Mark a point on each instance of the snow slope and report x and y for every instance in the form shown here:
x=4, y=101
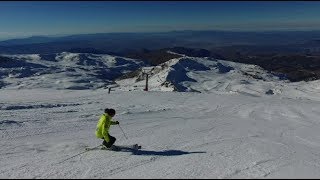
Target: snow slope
x=183, y=135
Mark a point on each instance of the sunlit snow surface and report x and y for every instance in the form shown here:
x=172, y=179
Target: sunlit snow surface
x=232, y=129
x=183, y=135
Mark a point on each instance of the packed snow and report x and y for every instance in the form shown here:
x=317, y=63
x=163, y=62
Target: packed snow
x=230, y=120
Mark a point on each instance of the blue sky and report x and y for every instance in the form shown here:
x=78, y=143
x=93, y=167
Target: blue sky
x=23, y=19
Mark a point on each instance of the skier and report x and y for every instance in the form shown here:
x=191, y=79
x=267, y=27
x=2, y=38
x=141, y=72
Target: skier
x=102, y=130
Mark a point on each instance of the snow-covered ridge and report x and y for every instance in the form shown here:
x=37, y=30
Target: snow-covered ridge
x=63, y=70
x=207, y=75
x=186, y=74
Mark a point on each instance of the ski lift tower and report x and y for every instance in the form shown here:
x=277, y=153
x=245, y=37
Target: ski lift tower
x=146, y=72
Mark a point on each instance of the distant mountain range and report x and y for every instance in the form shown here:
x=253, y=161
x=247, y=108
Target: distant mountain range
x=294, y=55
x=79, y=71
x=295, y=67
x=272, y=41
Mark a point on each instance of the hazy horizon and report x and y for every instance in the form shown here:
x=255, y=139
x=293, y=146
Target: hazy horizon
x=142, y=32
x=25, y=19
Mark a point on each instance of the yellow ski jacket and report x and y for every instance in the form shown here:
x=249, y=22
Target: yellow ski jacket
x=103, y=126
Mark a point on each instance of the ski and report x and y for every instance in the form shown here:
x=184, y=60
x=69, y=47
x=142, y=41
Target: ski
x=115, y=148
x=123, y=147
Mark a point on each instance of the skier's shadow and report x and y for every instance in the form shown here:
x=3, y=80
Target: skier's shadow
x=158, y=153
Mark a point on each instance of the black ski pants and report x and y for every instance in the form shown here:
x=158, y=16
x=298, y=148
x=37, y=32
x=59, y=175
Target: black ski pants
x=110, y=143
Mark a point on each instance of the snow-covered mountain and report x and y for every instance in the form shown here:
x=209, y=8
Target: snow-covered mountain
x=245, y=123
x=207, y=75
x=185, y=74
x=191, y=74
x=63, y=70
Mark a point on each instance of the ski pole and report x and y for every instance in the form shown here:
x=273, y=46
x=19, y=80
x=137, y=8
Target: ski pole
x=122, y=131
